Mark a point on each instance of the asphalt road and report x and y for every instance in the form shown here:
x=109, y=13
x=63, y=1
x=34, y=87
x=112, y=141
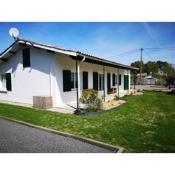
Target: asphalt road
x=18, y=138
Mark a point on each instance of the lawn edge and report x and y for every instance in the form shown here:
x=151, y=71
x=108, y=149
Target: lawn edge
x=115, y=149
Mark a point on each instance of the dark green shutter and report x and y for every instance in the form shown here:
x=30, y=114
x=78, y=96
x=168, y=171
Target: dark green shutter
x=113, y=79
x=8, y=82
x=120, y=79
x=85, y=80
x=26, y=57
x=66, y=80
x=95, y=81
x=126, y=82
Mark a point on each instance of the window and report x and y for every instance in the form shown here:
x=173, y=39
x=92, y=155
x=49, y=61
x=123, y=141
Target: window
x=69, y=80
x=101, y=81
x=3, y=82
x=73, y=80
x=26, y=57
x=8, y=81
x=114, y=77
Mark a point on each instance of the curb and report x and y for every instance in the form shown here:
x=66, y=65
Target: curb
x=115, y=149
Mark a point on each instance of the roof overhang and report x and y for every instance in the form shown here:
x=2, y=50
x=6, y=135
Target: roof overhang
x=4, y=56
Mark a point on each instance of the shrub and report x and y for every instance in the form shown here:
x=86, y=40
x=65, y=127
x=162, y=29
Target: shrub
x=116, y=97
x=91, y=99
x=172, y=91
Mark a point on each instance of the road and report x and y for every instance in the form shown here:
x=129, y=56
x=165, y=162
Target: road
x=18, y=138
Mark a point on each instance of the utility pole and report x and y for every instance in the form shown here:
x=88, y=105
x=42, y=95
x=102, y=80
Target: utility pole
x=141, y=54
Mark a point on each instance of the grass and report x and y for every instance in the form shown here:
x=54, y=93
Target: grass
x=144, y=124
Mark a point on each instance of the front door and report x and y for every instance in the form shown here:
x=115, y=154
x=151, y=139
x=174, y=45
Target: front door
x=108, y=82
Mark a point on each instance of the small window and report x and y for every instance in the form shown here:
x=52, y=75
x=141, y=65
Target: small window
x=26, y=57
x=73, y=80
x=3, y=82
x=8, y=81
x=101, y=82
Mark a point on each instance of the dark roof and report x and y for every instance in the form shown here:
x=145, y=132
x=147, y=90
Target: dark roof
x=89, y=58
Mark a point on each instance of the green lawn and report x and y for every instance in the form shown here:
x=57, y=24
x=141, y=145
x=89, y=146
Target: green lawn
x=144, y=124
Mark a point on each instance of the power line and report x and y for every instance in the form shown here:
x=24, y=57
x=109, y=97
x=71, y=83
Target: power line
x=159, y=48
x=145, y=49
x=124, y=53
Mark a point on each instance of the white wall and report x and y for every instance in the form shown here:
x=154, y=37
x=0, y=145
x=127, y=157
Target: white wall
x=45, y=77
x=65, y=62
x=28, y=82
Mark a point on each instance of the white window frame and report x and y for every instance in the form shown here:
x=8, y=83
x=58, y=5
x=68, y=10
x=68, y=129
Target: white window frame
x=73, y=78
x=3, y=82
x=101, y=87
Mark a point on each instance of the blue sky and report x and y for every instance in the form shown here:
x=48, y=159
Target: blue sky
x=106, y=39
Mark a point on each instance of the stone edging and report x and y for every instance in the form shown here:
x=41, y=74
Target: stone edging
x=115, y=149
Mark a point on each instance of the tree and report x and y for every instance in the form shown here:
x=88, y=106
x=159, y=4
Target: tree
x=138, y=65
x=151, y=66
x=170, y=78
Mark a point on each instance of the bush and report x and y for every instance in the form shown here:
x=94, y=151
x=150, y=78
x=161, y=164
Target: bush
x=116, y=97
x=160, y=82
x=91, y=99
x=172, y=91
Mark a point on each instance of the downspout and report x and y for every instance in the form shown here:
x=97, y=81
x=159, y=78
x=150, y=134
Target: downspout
x=78, y=83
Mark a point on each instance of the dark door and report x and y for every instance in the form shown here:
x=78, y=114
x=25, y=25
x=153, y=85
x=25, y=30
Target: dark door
x=85, y=80
x=108, y=82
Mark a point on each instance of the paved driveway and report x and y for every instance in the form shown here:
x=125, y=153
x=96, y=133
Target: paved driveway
x=18, y=138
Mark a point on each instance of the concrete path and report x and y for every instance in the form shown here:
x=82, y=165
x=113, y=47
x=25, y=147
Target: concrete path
x=18, y=138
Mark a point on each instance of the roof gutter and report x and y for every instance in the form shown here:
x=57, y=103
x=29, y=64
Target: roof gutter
x=107, y=62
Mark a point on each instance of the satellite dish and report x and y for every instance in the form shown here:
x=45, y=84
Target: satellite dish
x=14, y=32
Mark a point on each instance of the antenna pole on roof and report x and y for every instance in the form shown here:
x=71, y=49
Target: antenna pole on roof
x=141, y=59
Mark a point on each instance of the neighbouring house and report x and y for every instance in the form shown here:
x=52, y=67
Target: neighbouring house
x=140, y=79
x=147, y=79
x=150, y=80
x=29, y=69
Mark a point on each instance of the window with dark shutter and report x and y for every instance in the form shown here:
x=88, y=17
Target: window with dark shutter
x=85, y=80
x=101, y=82
x=26, y=57
x=126, y=82
x=95, y=81
x=66, y=80
x=8, y=82
x=120, y=79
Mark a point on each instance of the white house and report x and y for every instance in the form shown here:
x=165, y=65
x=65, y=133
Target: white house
x=30, y=69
